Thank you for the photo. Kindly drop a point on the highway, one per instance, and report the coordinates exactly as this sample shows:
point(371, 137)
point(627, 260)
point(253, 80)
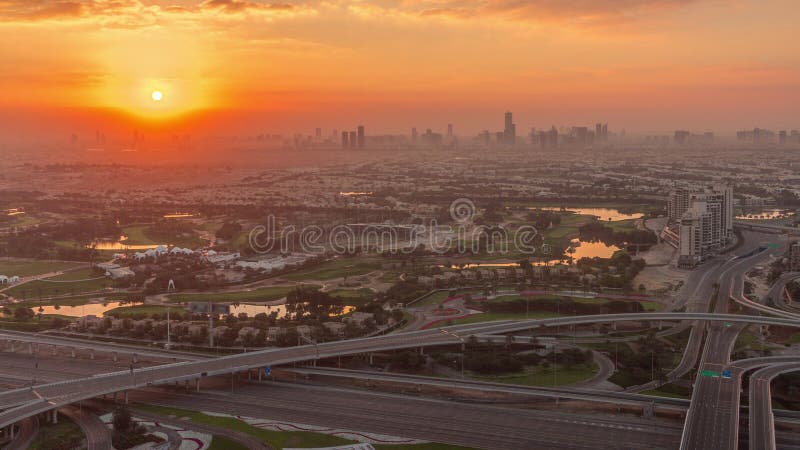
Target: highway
point(468, 424)
point(713, 417)
point(26, 402)
point(762, 420)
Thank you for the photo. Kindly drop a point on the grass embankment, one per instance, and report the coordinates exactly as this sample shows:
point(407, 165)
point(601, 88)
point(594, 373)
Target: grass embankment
point(545, 376)
point(64, 434)
point(281, 439)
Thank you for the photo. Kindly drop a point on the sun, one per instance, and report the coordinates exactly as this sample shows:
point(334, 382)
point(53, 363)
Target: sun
point(157, 96)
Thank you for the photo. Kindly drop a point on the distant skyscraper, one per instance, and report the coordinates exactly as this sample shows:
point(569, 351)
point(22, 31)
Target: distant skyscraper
point(605, 132)
point(318, 134)
point(345, 140)
point(449, 129)
point(510, 130)
point(353, 139)
point(598, 132)
point(782, 137)
point(414, 135)
point(361, 136)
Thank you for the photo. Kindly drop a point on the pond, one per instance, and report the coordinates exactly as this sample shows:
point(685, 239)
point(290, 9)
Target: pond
point(602, 214)
point(578, 249)
point(120, 244)
point(98, 309)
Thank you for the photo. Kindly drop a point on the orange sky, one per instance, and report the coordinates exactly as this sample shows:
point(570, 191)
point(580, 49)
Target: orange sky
point(645, 65)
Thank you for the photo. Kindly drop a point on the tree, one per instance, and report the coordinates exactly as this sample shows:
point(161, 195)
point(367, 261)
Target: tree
point(121, 420)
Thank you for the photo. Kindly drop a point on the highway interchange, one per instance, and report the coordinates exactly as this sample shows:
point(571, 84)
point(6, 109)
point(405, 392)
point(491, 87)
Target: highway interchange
point(712, 419)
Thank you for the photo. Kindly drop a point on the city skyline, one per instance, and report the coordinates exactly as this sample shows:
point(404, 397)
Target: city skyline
point(649, 66)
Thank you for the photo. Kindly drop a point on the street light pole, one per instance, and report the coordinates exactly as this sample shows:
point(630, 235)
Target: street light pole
point(463, 346)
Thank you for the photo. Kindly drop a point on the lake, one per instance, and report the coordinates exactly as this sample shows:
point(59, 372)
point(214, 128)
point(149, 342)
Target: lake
point(602, 214)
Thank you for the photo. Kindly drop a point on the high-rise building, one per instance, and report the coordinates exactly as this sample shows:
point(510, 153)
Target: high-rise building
point(361, 136)
point(345, 140)
point(782, 137)
point(510, 130)
point(598, 132)
point(318, 134)
point(353, 139)
point(449, 130)
point(705, 221)
point(605, 133)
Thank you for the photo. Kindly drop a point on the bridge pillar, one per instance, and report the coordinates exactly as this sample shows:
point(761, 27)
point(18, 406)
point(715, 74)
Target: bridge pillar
point(91, 353)
point(72, 351)
point(186, 384)
point(53, 350)
point(30, 348)
point(135, 358)
point(114, 356)
point(370, 359)
point(126, 397)
point(55, 417)
point(197, 384)
point(422, 350)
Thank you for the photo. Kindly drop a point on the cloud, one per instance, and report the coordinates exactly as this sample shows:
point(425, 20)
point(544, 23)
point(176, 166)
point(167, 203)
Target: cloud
point(131, 13)
point(579, 12)
point(234, 6)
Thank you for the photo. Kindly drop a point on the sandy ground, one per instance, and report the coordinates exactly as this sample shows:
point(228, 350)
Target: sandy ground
point(660, 273)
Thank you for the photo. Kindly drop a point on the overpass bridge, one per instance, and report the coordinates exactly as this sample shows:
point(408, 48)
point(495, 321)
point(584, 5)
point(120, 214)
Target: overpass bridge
point(27, 402)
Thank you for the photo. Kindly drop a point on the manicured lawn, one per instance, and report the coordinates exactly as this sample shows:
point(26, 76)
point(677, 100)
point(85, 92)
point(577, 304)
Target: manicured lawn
point(145, 235)
point(621, 225)
point(77, 282)
point(428, 446)
point(338, 268)
point(432, 300)
point(490, 317)
point(28, 268)
point(540, 376)
point(264, 294)
point(141, 309)
point(221, 443)
point(652, 306)
point(59, 435)
point(659, 393)
point(354, 297)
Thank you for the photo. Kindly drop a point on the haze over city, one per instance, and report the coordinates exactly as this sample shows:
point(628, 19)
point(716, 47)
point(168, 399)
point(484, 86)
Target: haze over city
point(399, 224)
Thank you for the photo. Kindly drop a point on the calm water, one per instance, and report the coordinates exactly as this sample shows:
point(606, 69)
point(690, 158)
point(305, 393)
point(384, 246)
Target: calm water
point(578, 249)
point(97, 309)
point(120, 244)
point(603, 214)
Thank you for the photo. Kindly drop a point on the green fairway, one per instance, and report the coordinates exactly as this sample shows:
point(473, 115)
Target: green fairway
point(338, 268)
point(264, 294)
point(26, 268)
point(148, 310)
point(77, 282)
point(541, 376)
point(354, 297)
point(145, 235)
